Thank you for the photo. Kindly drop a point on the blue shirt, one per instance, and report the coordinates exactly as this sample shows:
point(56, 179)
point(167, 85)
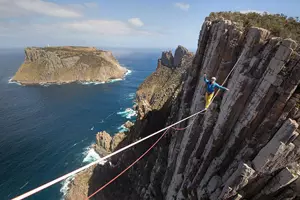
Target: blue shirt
point(211, 86)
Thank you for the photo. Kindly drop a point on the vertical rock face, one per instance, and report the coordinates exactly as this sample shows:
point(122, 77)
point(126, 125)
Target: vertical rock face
point(245, 146)
point(167, 59)
point(179, 53)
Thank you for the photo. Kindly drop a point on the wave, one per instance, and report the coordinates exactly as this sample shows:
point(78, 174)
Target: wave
point(131, 96)
point(114, 80)
point(111, 114)
point(128, 72)
point(65, 186)
point(74, 144)
point(10, 81)
point(128, 113)
point(24, 185)
point(91, 82)
point(122, 128)
point(89, 155)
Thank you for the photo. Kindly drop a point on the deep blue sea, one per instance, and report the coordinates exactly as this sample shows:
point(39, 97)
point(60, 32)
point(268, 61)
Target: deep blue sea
point(46, 131)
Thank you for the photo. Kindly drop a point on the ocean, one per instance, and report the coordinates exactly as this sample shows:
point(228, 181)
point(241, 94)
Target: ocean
point(46, 131)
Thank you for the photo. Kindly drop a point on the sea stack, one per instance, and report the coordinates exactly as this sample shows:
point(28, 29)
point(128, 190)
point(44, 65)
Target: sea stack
point(68, 64)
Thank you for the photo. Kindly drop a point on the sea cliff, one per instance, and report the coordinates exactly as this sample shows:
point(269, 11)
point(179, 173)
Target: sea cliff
point(245, 146)
point(68, 64)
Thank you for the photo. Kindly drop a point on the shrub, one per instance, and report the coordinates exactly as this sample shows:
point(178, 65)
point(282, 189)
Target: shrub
point(279, 24)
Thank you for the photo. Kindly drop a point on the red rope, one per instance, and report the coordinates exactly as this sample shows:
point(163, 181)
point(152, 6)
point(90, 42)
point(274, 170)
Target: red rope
point(112, 180)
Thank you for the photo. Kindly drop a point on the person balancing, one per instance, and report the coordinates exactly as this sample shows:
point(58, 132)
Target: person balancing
point(210, 89)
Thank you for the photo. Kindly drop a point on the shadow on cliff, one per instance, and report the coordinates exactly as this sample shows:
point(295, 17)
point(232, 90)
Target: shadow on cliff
point(125, 188)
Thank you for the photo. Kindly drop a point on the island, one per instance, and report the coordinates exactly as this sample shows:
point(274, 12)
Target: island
point(67, 64)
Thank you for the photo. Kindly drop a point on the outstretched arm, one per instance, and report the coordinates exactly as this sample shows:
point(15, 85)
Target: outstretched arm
point(221, 87)
point(205, 79)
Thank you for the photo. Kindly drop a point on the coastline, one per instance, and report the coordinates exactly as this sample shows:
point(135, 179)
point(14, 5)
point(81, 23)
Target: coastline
point(90, 154)
point(46, 84)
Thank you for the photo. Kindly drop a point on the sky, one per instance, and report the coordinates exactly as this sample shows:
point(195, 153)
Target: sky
point(118, 23)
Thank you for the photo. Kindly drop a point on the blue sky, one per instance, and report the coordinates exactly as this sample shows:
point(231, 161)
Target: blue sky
point(118, 23)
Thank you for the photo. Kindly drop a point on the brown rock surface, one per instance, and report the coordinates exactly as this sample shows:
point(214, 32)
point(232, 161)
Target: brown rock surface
point(79, 186)
point(128, 124)
point(67, 64)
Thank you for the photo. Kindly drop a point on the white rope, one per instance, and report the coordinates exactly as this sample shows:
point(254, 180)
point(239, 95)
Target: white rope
point(99, 160)
point(27, 194)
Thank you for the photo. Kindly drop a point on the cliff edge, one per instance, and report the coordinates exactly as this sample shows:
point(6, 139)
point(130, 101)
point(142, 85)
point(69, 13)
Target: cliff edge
point(245, 146)
point(68, 64)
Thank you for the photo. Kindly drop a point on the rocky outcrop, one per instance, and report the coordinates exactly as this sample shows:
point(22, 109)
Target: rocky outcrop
point(245, 146)
point(67, 64)
point(103, 143)
point(179, 53)
point(79, 186)
point(167, 59)
point(106, 144)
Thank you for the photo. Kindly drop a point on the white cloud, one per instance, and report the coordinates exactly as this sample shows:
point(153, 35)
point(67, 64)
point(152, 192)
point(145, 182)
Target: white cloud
point(16, 8)
point(84, 28)
point(250, 11)
point(136, 22)
point(182, 6)
point(104, 27)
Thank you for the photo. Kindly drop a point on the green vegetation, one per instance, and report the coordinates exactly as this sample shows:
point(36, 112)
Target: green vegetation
point(279, 24)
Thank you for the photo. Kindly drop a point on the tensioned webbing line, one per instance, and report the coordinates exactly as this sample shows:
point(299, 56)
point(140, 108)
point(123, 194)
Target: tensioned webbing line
point(151, 147)
point(59, 179)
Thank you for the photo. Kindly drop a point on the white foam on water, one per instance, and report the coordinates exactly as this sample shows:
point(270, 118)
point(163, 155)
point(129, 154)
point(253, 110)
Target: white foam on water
point(65, 186)
point(122, 128)
point(131, 96)
point(92, 128)
point(128, 113)
point(91, 82)
point(128, 72)
point(10, 81)
point(90, 155)
point(74, 144)
point(114, 80)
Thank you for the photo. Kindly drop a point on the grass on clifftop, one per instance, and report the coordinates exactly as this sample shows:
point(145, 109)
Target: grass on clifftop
point(68, 48)
point(279, 24)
